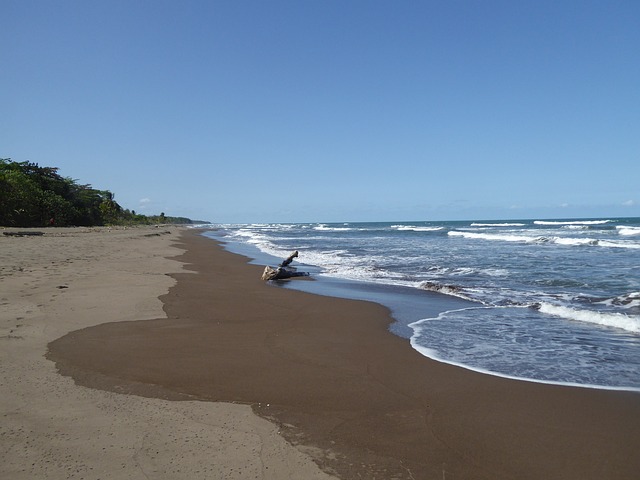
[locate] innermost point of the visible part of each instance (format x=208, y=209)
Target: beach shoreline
x=70, y=279
x=342, y=388
x=509, y=300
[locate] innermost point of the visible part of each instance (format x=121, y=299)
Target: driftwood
x=28, y=233
x=289, y=259
x=282, y=272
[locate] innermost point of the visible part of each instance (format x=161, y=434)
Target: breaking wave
x=332, y=229
x=628, y=231
x=453, y=290
x=412, y=228
x=616, y=320
x=543, y=239
x=572, y=222
x=498, y=224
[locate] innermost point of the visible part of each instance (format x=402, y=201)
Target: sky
x=330, y=110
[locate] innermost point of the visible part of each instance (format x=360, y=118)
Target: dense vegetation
x=35, y=196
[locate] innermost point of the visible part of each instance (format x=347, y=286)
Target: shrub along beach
x=36, y=196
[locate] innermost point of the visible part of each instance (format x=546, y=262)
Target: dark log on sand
x=28, y=233
x=289, y=259
x=282, y=272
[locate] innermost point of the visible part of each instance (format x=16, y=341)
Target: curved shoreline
x=69, y=279
x=360, y=401
x=396, y=297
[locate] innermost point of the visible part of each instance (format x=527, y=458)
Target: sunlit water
x=552, y=301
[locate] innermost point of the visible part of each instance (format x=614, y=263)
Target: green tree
x=31, y=195
x=18, y=196
x=111, y=211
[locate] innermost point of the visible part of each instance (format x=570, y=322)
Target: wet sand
x=359, y=400
x=73, y=278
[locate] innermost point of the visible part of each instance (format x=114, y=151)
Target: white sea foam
x=417, y=342
x=627, y=301
x=331, y=229
x=621, y=244
x=445, y=270
x=573, y=222
x=491, y=236
x=501, y=237
x=575, y=227
x=496, y=272
x=415, y=228
x=356, y=271
x=542, y=239
x=452, y=290
x=617, y=320
x=498, y=224
x=259, y=240
x=573, y=241
x=478, y=263
x=433, y=354
x=628, y=231
x=420, y=341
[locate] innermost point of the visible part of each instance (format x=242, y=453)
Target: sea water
x=554, y=301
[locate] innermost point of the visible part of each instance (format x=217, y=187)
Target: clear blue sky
x=332, y=110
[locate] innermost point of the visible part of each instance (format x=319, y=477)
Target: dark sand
x=360, y=400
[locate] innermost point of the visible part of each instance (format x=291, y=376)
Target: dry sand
x=51, y=428
x=359, y=400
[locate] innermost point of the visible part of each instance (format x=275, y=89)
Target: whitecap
x=498, y=224
x=493, y=236
x=616, y=320
x=628, y=231
x=543, y=239
x=574, y=241
x=415, y=228
x=571, y=222
x=332, y=229
x=627, y=301
x=327, y=228
x=621, y=244
x=575, y=227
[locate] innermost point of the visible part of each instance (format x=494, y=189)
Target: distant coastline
x=35, y=196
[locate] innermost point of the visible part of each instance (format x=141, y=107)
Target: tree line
x=35, y=196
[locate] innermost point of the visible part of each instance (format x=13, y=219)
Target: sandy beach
x=51, y=428
x=226, y=376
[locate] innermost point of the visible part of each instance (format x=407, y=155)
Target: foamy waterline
x=516, y=355
x=433, y=355
x=568, y=269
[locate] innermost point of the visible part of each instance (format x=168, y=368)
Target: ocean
x=552, y=301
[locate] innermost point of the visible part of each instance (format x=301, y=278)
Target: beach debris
x=282, y=272
x=167, y=232
x=28, y=233
x=289, y=259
